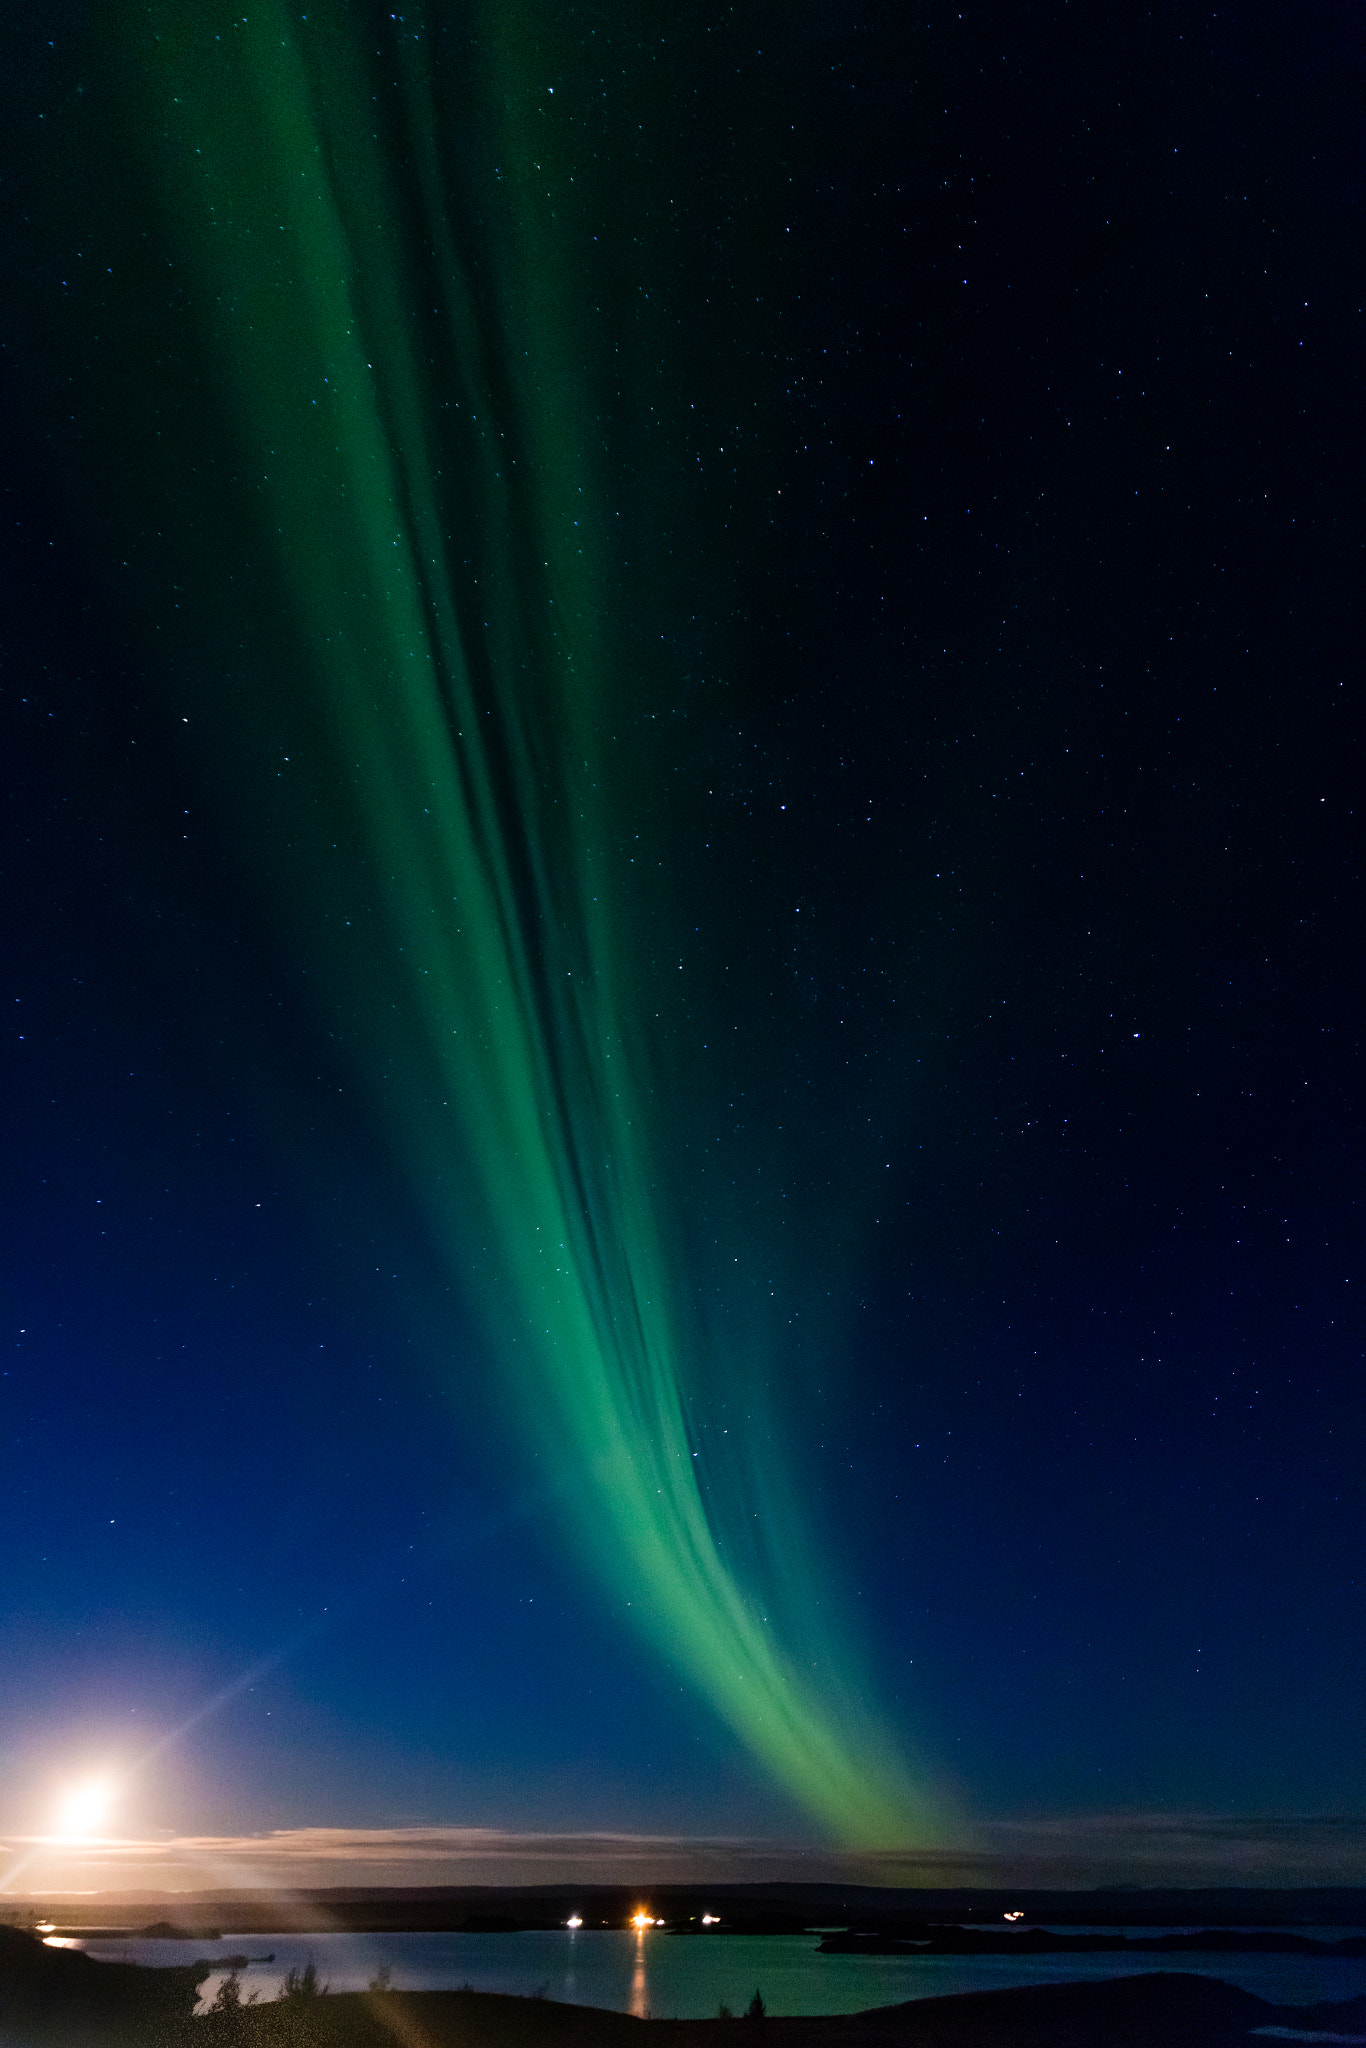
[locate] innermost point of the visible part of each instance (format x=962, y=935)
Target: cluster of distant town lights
x=640, y=1920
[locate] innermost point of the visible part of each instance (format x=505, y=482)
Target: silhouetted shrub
x=228, y=1997
x=303, y=1983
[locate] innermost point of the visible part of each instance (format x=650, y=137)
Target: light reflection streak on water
x=640, y=1989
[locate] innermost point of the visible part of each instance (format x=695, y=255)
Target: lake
x=688, y=1976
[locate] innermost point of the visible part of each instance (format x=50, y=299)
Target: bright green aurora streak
x=393, y=323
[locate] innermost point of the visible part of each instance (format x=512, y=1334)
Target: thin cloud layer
x=1096, y=1849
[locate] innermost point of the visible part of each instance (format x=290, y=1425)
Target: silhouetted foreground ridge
x=61, y=1998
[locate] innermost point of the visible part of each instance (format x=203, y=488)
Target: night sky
x=682, y=740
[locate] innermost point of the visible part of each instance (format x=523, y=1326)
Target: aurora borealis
x=657, y=797
x=406, y=490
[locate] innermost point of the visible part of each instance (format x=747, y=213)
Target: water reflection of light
x=640, y=1989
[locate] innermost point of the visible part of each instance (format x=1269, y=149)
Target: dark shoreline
x=1043, y=1941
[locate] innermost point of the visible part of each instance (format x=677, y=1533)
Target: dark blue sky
x=1022, y=850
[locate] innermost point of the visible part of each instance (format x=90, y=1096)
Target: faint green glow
x=391, y=317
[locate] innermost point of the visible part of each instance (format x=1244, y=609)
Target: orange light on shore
x=640, y=1920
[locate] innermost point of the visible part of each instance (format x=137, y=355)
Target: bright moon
x=84, y=1807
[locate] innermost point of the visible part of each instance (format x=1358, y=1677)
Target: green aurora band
x=366, y=234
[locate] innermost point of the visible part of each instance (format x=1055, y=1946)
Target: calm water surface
x=688, y=1976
